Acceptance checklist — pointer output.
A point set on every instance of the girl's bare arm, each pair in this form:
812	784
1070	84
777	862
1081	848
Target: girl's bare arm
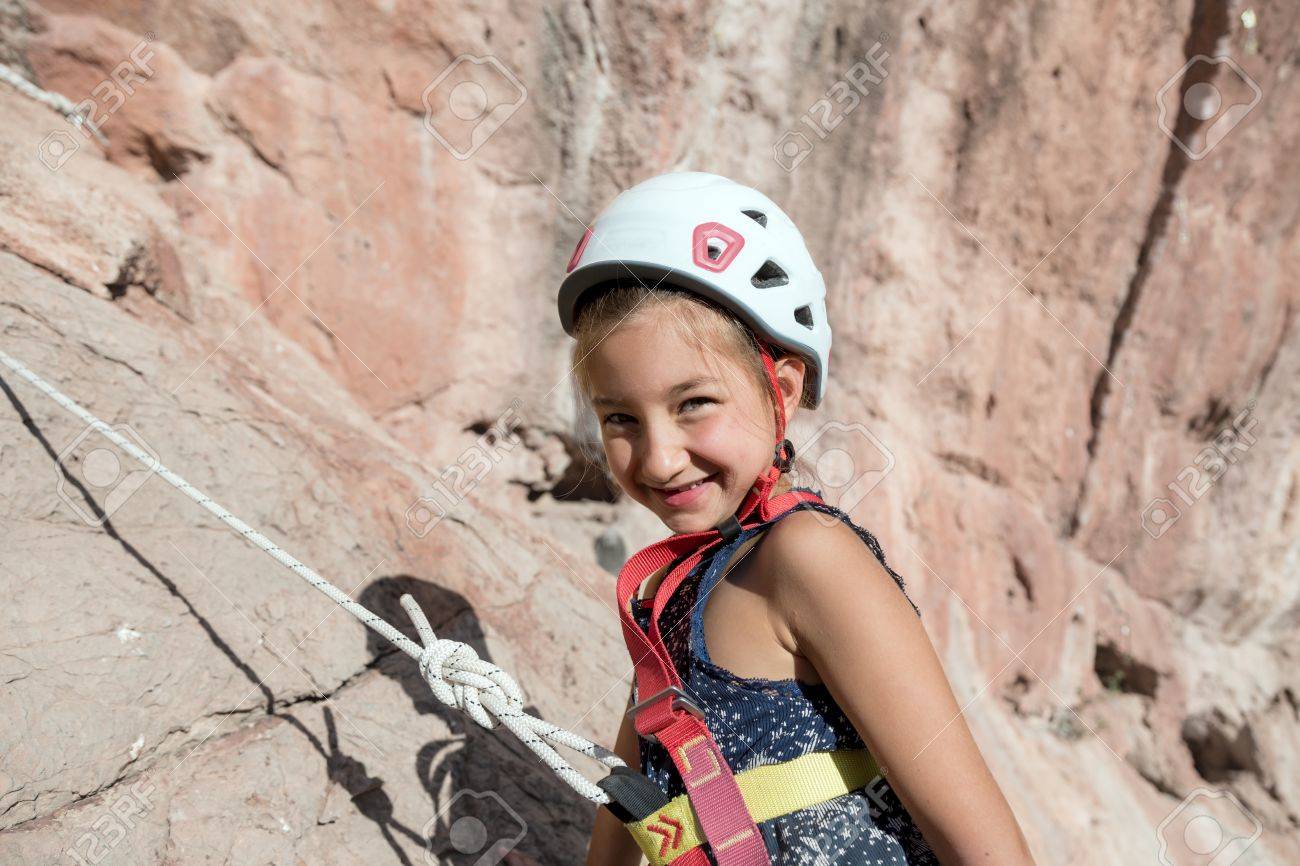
847	616
611	844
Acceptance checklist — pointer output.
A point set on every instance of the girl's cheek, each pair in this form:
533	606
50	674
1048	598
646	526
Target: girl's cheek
720	435
618	453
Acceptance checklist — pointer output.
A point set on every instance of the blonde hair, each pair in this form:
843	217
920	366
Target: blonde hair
711	329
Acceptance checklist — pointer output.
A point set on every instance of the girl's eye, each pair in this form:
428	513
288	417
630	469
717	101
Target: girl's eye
701	400
620	418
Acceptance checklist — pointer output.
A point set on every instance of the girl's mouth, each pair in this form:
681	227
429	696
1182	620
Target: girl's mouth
680	497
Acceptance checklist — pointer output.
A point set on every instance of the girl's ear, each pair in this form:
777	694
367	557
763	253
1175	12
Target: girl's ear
790	372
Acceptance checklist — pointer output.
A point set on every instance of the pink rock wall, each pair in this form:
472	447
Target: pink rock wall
1045	309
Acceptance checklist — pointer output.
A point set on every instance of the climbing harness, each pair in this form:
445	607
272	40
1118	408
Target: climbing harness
455	673
770	791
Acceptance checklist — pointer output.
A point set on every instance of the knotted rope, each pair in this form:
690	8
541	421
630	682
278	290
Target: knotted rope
455	673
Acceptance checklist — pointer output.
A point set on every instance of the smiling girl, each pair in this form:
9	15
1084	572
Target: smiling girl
789	706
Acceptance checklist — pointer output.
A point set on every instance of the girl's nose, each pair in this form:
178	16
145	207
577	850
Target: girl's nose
663	456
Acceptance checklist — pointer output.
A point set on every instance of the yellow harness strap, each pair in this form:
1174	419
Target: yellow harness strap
770	791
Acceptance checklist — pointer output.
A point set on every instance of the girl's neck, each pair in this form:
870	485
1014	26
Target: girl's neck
783	485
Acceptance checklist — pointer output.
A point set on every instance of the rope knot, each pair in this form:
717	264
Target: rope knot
460	679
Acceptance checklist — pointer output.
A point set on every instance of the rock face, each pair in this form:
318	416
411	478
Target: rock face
293	272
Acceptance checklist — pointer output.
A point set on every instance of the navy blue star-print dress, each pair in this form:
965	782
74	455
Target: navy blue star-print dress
760	721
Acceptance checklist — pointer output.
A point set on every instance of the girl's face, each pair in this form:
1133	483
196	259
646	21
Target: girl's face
670	417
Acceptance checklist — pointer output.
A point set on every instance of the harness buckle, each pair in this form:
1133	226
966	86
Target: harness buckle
681	701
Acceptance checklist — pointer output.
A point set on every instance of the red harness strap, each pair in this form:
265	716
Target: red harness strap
665	712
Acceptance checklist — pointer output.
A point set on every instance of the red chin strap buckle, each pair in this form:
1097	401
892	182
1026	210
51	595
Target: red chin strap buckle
784	458
729	529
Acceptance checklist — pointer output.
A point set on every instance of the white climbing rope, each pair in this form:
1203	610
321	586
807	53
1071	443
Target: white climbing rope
57	101
455	673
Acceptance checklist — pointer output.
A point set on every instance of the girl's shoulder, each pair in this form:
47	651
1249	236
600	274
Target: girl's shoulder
812	523
818	547
807	535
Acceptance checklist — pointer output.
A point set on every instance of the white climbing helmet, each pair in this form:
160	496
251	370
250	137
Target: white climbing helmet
730	243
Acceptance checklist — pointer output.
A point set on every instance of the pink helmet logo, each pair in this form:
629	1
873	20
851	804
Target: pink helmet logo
577	251
715	246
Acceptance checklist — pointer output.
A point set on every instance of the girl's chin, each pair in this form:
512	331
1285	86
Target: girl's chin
701	520
688	521
680	523
677	529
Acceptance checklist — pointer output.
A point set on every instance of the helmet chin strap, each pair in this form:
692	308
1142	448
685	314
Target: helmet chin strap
759	495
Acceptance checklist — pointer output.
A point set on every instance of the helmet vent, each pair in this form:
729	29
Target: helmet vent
803	316
757	216
714	246
769	276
